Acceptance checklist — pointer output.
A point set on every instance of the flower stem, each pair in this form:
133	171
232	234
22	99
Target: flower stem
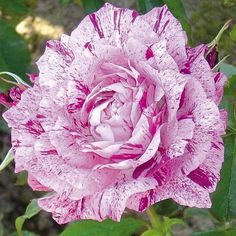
154	218
217	38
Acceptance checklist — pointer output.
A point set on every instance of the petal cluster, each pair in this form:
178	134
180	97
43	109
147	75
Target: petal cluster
123	114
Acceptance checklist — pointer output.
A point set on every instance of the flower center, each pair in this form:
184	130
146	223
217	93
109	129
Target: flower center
109	112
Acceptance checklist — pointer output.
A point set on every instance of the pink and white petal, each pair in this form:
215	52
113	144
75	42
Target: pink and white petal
141	132
70	146
167	27
207	116
108	53
33	77
193	95
204	112
193	53
135	50
108	204
163	60
196	152
201	71
105	149
224	117
220	80
150	150
108	25
183	191
63	178
184	134
114	199
61	174
148	154
135	114
187	193
80	72
65	210
22	142
173	84
208	173
36	185
52	64
26	109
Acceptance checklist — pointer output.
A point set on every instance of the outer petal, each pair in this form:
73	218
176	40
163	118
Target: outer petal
52	64
167	27
208	173
36	185
201	70
110	203
183	191
213	83
220	80
62	175
208	123
24	110
109	24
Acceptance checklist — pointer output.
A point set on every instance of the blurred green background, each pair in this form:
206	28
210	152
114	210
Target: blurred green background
25	26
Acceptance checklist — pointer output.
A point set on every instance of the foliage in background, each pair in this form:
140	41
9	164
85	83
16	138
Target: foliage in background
14	52
206	17
31	210
224	204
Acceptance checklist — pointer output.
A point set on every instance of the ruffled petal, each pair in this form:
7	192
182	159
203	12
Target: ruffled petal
183	191
108	204
208	173
109	24
167	27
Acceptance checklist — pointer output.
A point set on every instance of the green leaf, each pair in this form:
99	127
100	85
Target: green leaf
126	227
91	6
1	226
167	207
229	3
147	5
3	85
3	126
223	199
229	102
15	56
192	211
218	37
169	222
228	70
14	7
152	232
22	178
230	232
233	33
7	160
64	3
31	210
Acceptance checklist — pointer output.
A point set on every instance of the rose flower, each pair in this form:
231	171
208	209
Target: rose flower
123	114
